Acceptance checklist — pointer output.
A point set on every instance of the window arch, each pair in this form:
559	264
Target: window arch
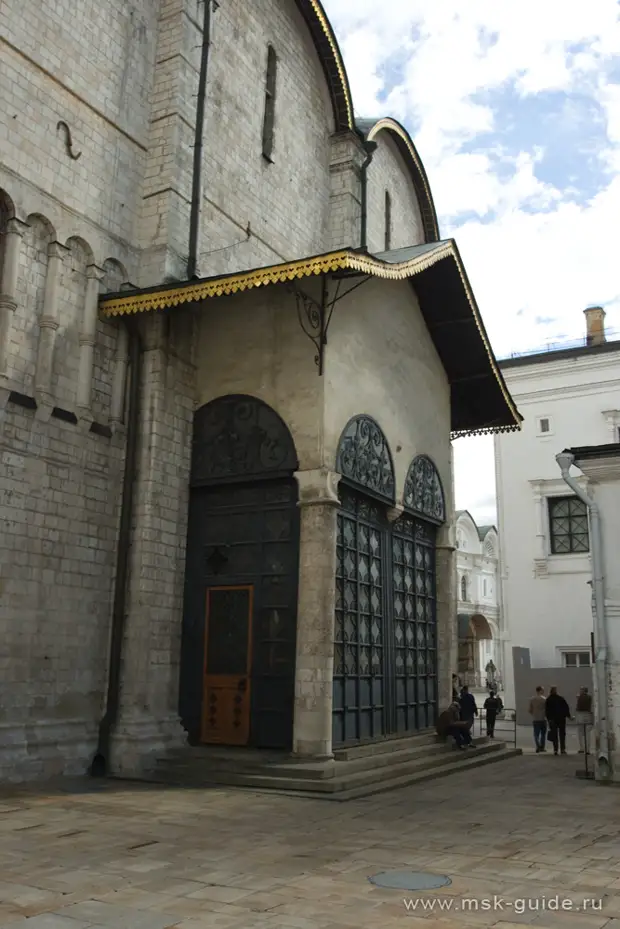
424	494
364	458
237	437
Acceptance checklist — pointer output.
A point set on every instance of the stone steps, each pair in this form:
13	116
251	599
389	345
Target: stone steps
355	772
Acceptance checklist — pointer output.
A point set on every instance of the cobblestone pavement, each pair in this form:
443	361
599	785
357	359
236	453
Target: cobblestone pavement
529	834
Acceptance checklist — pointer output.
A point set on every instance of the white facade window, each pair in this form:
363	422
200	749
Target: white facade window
568	526
484	588
544	425
575	659
464	587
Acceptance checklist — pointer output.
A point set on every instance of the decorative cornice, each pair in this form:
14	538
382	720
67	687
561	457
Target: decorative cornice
600	469
166	296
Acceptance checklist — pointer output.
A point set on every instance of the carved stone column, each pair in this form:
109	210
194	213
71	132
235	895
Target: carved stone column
48	324
87	340
447	631
117	402
8	287
318	500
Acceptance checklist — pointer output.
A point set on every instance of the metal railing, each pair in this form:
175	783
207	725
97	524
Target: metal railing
588	770
505	728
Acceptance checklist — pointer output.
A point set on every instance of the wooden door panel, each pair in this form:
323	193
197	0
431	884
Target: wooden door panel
227	662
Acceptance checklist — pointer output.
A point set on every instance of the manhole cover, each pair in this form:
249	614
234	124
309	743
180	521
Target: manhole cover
410	880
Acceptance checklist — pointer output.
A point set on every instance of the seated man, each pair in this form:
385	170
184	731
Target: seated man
450	723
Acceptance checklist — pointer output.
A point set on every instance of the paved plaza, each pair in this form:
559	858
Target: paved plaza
521	834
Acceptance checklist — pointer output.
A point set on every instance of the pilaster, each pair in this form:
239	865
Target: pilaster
347	157
318	501
48	325
8	287
87	341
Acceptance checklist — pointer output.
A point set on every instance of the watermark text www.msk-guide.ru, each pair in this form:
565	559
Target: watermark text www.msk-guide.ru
519	905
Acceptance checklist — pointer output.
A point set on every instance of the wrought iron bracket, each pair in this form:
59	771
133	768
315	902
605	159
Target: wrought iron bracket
315	316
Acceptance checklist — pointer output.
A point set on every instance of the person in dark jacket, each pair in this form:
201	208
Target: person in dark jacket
557	712
468	706
450	723
492	706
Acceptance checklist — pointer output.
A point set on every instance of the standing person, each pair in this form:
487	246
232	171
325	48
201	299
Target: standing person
469	708
455	688
583	715
557	713
537	710
492	706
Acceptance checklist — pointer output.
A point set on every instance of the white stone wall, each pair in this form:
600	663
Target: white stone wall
546	598
389	173
273	360
379	333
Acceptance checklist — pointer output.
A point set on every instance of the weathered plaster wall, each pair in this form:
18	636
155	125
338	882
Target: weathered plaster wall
388	173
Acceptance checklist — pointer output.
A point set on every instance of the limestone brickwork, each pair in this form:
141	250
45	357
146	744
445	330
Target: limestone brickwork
98	111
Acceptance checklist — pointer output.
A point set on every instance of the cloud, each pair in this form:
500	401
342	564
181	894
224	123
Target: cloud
532	203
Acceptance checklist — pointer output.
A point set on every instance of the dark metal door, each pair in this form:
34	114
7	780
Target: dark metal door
385	649
246	535
360	622
414	625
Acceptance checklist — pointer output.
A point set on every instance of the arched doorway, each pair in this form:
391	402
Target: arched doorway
414	540
385	650
242	563
361	635
474	631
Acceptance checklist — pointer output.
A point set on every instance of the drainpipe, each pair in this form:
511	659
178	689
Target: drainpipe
194	218
371	148
101	762
565	460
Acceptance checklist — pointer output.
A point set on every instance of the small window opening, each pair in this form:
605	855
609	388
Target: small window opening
544	425
388	221
270	103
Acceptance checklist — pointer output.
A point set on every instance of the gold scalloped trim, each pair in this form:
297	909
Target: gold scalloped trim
329	35
486	430
223	286
393	126
322	264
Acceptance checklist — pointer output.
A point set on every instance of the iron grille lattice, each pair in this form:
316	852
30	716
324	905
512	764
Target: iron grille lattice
360	623
364	457
423	491
415	624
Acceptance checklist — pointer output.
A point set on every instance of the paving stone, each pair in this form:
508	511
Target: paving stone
287	863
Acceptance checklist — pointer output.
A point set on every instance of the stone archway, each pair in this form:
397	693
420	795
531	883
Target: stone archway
242	563
473	630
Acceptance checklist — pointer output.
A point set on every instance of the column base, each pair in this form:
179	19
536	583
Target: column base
138	742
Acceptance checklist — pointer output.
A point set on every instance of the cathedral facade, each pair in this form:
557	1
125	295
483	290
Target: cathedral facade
233	353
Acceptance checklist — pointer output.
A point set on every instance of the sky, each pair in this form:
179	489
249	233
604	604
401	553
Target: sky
514	109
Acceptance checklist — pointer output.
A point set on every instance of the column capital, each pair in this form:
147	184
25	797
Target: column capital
57	250
318	487
94	273
395	512
16	227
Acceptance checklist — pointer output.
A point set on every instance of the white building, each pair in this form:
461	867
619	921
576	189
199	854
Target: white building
568	397
477	587
600	466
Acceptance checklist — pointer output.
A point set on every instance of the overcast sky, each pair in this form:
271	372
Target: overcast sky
515	111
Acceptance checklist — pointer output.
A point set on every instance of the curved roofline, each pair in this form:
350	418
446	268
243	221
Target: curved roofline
413	161
328	50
